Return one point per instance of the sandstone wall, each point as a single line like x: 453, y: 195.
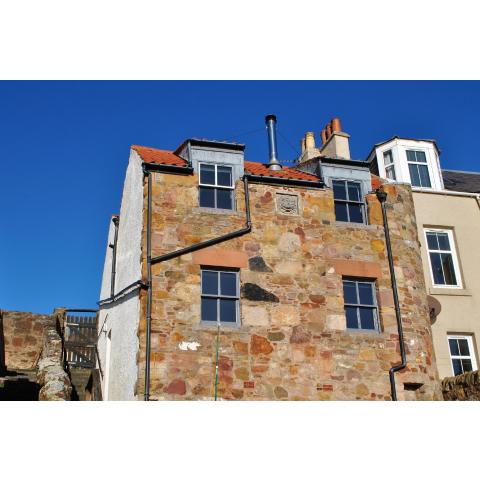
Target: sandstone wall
x: 51, y: 375
x: 22, y: 338
x: 292, y: 342
x: 462, y: 387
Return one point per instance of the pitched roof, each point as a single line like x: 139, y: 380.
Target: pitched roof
x: 167, y: 157
x: 396, y: 137
x: 162, y: 157
x: 461, y: 181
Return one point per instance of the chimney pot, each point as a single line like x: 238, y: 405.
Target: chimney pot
x: 324, y: 136
x: 309, y: 140
x: 302, y: 144
x: 336, y: 125
x: 328, y: 128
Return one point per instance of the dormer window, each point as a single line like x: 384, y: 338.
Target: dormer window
x: 216, y: 186
x: 417, y: 165
x: 389, y: 166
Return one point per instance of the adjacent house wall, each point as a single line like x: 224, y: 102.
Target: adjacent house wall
x: 292, y: 342
x: 460, y: 306
x: 120, y: 320
x: 22, y: 335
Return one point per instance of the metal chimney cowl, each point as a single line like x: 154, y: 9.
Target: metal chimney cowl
x: 271, y: 123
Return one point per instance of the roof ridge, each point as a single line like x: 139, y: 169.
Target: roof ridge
x: 460, y: 171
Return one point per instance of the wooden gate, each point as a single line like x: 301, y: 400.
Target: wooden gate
x: 81, y: 338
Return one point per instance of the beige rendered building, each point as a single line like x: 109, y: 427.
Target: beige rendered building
x: 447, y: 209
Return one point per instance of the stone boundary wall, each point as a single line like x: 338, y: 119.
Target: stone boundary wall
x: 462, y: 387
x: 22, y: 339
x: 32, y: 341
x: 51, y: 376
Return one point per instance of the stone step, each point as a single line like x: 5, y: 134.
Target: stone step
x: 79, y: 377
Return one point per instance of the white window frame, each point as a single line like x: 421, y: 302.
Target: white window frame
x: 219, y: 296
x: 216, y: 186
x: 471, y: 357
x: 453, y: 252
x: 390, y: 165
x: 426, y: 164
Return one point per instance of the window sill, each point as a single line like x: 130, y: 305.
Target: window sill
x: 460, y: 292
x: 213, y: 326
x: 363, y: 331
x: 366, y: 226
x: 217, y: 211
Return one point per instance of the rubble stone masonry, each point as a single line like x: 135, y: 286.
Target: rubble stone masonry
x: 292, y: 342
x: 22, y: 338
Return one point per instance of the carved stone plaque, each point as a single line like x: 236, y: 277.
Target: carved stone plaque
x: 287, y: 204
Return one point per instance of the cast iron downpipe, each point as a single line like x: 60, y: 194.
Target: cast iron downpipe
x: 177, y: 253
x: 382, y: 197
x: 114, y: 258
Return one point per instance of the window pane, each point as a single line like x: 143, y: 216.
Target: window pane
x: 424, y: 177
x: 354, y: 191
x: 209, y: 309
x: 366, y: 293
x: 367, y: 318
x: 421, y: 157
x: 351, y: 314
x: 411, y: 156
x: 339, y: 191
x: 224, y: 198
x: 448, y: 269
x: 452, y: 342
x: 463, y: 345
x: 228, y: 310
x: 457, y: 366
x: 207, y: 197
x: 390, y: 171
x: 224, y: 176
x: 209, y: 282
x: 341, y: 214
x: 443, y: 242
x: 466, y: 365
x: 207, y: 174
x: 356, y: 213
x: 349, y: 292
x: 414, y: 175
x: 228, y: 284
x: 437, y: 271
x: 432, y: 241
x: 387, y: 157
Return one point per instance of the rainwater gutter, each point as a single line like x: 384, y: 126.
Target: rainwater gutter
x: 148, y: 169
x: 382, y: 197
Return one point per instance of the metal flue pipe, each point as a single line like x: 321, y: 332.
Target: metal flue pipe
x: 271, y: 123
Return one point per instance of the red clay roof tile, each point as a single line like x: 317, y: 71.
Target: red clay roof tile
x: 167, y: 157
x: 154, y: 155
x: 262, y: 170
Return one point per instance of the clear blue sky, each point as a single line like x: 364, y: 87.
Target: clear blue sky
x: 65, y: 148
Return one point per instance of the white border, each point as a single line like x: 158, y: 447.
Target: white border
x: 453, y: 251
x: 469, y: 339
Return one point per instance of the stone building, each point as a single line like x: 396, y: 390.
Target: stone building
x: 241, y: 280
x: 447, y: 208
